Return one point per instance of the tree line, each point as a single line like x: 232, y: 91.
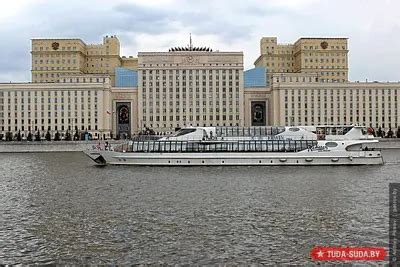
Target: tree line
x: 38, y: 136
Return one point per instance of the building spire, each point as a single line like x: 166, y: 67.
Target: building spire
x: 190, y: 47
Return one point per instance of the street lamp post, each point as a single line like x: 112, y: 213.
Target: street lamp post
x: 110, y: 113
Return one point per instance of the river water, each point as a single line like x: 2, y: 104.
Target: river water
x: 59, y: 208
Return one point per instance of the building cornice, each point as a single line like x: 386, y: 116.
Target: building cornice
x: 59, y: 39
x: 36, y: 52
x: 303, y: 51
x: 124, y: 89
x: 53, y: 86
x: 320, y: 38
x: 187, y: 53
x: 346, y: 85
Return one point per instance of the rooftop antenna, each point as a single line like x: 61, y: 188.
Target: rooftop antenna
x: 191, y: 45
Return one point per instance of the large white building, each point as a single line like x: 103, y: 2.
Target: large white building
x: 78, y: 104
x: 312, y: 102
x: 194, y: 87
x: 198, y: 87
x: 90, y: 104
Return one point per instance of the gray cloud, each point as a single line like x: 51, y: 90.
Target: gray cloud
x: 120, y: 18
x: 372, y: 28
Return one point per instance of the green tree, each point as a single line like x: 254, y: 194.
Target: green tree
x: 29, y: 137
x: 57, y: 136
x: 9, y: 136
x: 48, y: 136
x: 67, y: 136
x: 19, y: 137
x: 390, y: 132
x: 37, y: 136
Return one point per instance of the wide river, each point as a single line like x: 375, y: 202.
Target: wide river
x: 59, y: 208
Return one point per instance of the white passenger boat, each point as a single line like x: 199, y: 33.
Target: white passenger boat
x: 321, y: 145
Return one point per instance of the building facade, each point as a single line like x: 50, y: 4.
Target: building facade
x: 193, y: 87
x: 53, y: 59
x: 327, y: 57
x: 78, y: 104
x: 90, y: 88
x: 304, y: 100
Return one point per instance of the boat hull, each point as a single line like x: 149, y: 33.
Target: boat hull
x: 306, y: 158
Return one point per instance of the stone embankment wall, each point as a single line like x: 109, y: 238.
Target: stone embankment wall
x: 51, y: 146
x: 388, y: 143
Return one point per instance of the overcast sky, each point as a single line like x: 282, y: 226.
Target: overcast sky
x: 372, y: 26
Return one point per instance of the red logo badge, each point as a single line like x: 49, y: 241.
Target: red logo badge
x: 348, y: 253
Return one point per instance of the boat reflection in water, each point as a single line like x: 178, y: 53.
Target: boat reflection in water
x: 322, y: 145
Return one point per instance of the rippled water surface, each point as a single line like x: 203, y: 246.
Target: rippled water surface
x: 59, y: 208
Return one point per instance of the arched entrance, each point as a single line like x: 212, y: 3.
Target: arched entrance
x: 258, y: 113
x: 123, y: 115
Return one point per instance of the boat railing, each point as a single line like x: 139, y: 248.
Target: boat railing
x: 229, y: 146
x: 146, y: 137
x: 248, y: 131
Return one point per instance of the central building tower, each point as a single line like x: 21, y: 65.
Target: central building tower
x: 190, y: 86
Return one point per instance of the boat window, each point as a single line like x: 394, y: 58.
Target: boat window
x: 140, y: 146
x: 347, y: 129
x: 252, y: 145
x: 161, y: 147
x: 229, y: 132
x: 184, y: 131
x: 321, y: 130
x: 331, y: 144
x: 173, y: 147
x: 226, y: 131
x: 156, y: 146
x: 239, y: 145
